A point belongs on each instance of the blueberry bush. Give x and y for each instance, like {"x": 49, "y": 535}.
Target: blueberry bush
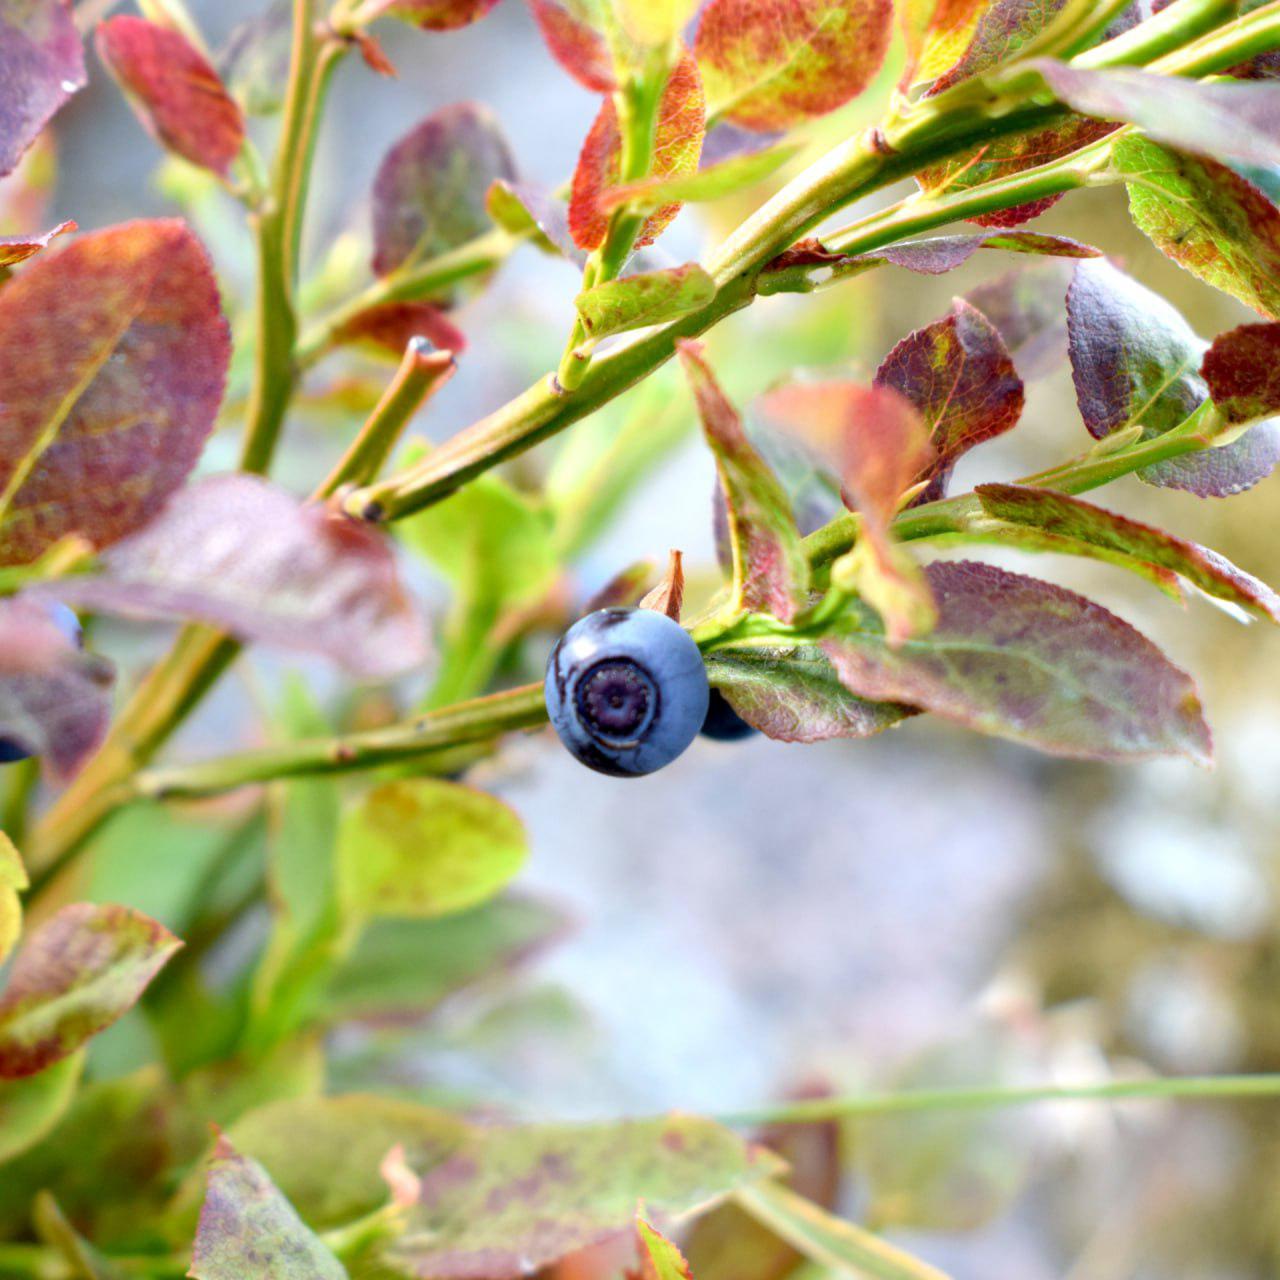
{"x": 352, "y": 870}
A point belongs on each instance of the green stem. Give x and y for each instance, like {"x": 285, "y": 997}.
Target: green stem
{"x": 947, "y": 125}
{"x": 421, "y": 374}
{"x": 818, "y": 1110}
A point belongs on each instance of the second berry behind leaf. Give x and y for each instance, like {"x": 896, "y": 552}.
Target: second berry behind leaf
{"x": 626, "y": 691}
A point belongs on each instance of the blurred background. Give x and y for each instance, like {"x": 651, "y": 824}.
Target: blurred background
{"x": 923, "y": 908}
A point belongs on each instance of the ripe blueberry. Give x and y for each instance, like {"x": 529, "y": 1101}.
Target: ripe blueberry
{"x": 626, "y": 691}
{"x": 723, "y": 723}
{"x": 11, "y": 750}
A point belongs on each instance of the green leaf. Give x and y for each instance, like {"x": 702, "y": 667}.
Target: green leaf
{"x": 830, "y": 1241}
{"x": 424, "y": 848}
{"x": 662, "y": 1260}
{"x": 248, "y": 1229}
{"x": 635, "y": 302}
{"x": 1025, "y": 660}
{"x": 1067, "y": 517}
{"x": 82, "y": 1259}
{"x": 13, "y": 880}
{"x": 713, "y": 182}
{"x": 30, "y": 1108}
{"x": 404, "y": 968}
{"x": 75, "y": 976}
{"x": 1206, "y": 218}
{"x": 792, "y": 694}
{"x": 513, "y": 1199}
{"x": 770, "y": 568}
{"x": 496, "y": 550}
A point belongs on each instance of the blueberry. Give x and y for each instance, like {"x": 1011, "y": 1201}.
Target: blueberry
{"x": 723, "y": 723}
{"x": 626, "y": 691}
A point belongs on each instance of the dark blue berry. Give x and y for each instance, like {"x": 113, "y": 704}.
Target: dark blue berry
{"x": 11, "y": 750}
{"x": 626, "y": 691}
{"x": 723, "y": 723}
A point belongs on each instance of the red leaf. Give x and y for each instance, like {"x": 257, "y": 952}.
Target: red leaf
{"x": 393, "y": 325}
{"x": 75, "y": 976}
{"x": 429, "y": 195}
{"x": 1242, "y": 369}
{"x": 434, "y": 15}
{"x": 1026, "y": 660}
{"x": 576, "y": 45}
{"x": 41, "y": 66}
{"x": 959, "y": 375}
{"x": 772, "y": 64}
{"x": 113, "y": 356}
{"x": 239, "y": 553}
{"x": 15, "y": 249}
{"x": 678, "y": 136}
{"x": 177, "y": 95}
{"x": 55, "y": 699}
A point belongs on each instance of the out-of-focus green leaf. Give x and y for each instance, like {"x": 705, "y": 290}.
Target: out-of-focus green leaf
{"x": 652, "y": 297}
{"x": 247, "y": 1228}
{"x": 13, "y": 880}
{"x": 724, "y": 178}
{"x": 31, "y": 1107}
{"x": 661, "y": 1259}
{"x": 423, "y": 848}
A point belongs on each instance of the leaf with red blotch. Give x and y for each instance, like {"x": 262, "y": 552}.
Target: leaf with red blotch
{"x": 1242, "y": 371}
{"x": 652, "y": 297}
{"x": 677, "y": 146}
{"x": 391, "y": 326}
{"x": 1207, "y": 218}
{"x": 237, "y": 552}
{"x": 177, "y": 95}
{"x": 792, "y": 694}
{"x": 1028, "y": 307}
{"x": 55, "y": 699}
{"x": 1224, "y": 121}
{"x": 878, "y": 446}
{"x": 770, "y": 568}
{"x": 961, "y": 379}
{"x": 248, "y": 1228}
{"x": 1135, "y": 360}
{"x": 77, "y": 974}
{"x": 1070, "y": 518}
{"x": 113, "y": 356}
{"x": 15, "y": 249}
{"x": 937, "y": 34}
{"x": 430, "y": 15}
{"x": 1022, "y": 659}
{"x": 770, "y": 65}
{"x": 41, "y": 66}
{"x": 429, "y": 195}
{"x": 576, "y": 42}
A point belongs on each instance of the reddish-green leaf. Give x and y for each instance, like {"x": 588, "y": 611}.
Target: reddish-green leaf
{"x": 1028, "y": 307}
{"x": 677, "y": 146}
{"x": 660, "y": 1259}
{"x": 960, "y": 377}
{"x": 1223, "y": 121}
{"x": 937, "y": 32}
{"x": 653, "y": 297}
{"x": 1000, "y": 30}
{"x": 55, "y": 699}
{"x": 1067, "y": 517}
{"x": 1242, "y": 370}
{"x": 576, "y": 42}
{"x": 770, "y": 568}
{"x": 237, "y": 552}
{"x": 772, "y": 64}
{"x": 15, "y": 249}
{"x": 432, "y": 15}
{"x": 1206, "y": 218}
{"x": 75, "y": 976}
{"x": 113, "y": 356}
{"x": 1136, "y": 360}
{"x": 792, "y": 694}
{"x": 1026, "y": 660}
{"x": 390, "y": 328}
{"x": 41, "y": 66}
{"x": 429, "y": 195}
{"x": 178, "y": 96}
{"x": 514, "y": 1199}
{"x": 247, "y": 1228}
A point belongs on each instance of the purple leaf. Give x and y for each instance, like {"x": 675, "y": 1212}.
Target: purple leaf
{"x": 55, "y": 700}
{"x": 1028, "y": 307}
{"x": 239, "y": 553}
{"x": 41, "y": 66}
